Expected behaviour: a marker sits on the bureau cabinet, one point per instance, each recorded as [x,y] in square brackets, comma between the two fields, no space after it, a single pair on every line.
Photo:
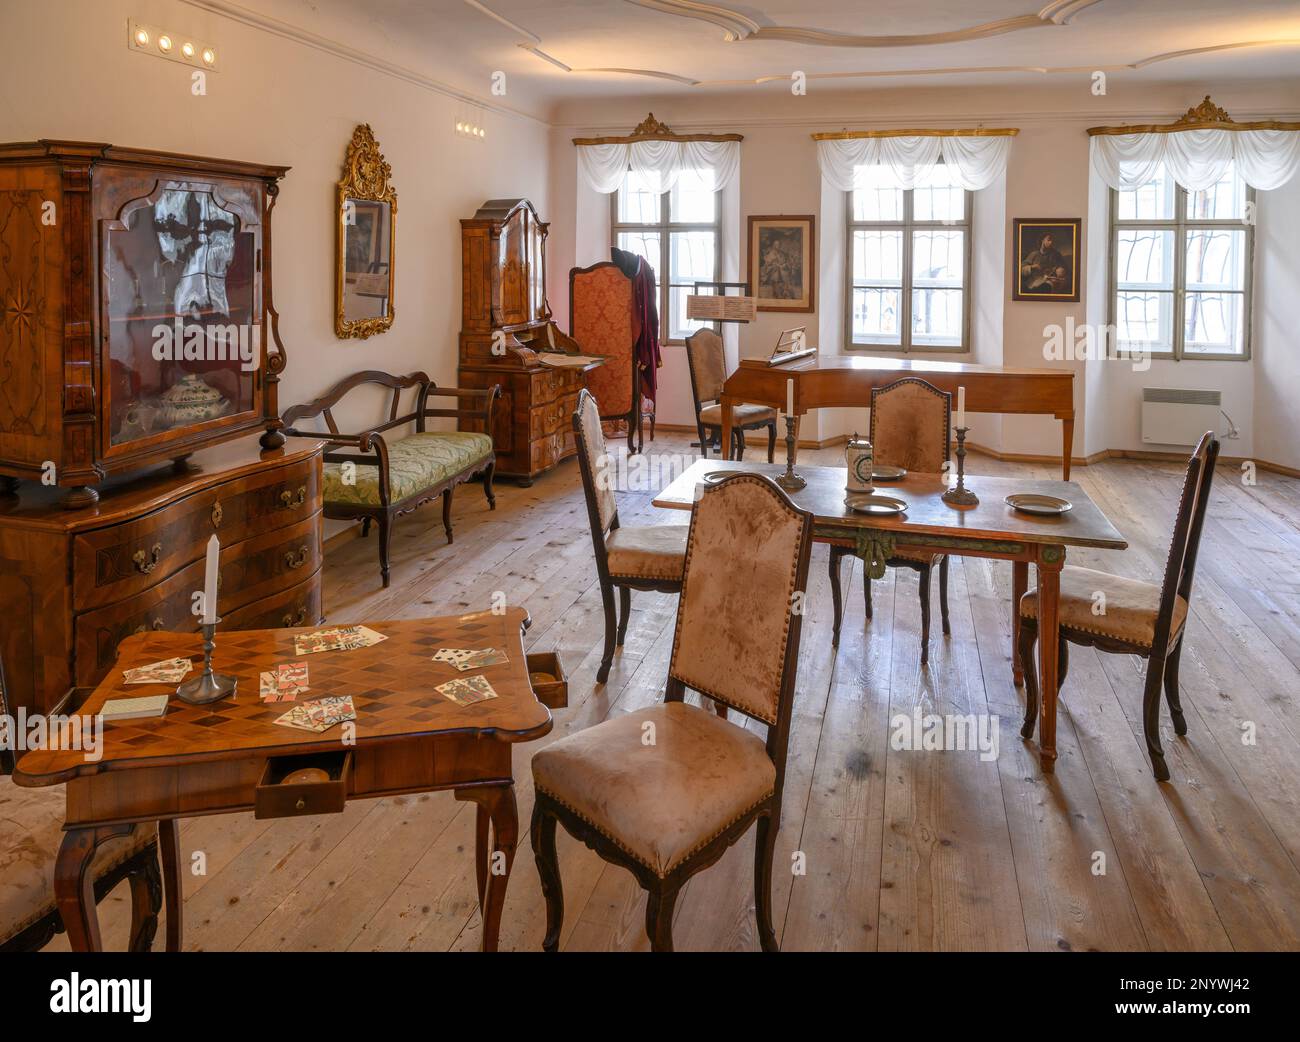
[73,585]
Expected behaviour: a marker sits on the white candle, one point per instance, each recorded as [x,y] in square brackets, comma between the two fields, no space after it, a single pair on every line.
[789,397]
[961,407]
[210,583]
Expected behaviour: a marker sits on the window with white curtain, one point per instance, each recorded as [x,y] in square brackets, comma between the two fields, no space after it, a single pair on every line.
[677,233]
[909,285]
[1181,268]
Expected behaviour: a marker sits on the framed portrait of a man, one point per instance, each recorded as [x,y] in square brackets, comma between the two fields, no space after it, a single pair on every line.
[1047,257]
[782,263]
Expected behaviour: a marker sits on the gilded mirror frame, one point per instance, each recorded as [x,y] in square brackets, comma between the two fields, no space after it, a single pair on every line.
[365,177]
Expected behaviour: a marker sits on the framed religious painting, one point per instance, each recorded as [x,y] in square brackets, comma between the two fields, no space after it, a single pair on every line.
[783,263]
[1048,255]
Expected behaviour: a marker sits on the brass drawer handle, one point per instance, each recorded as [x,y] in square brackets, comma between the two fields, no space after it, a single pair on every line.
[217,515]
[158,624]
[299,559]
[302,803]
[147,562]
[289,500]
[290,620]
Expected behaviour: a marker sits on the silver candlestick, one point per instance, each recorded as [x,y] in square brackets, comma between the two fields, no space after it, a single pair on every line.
[208,686]
[790,481]
[960,495]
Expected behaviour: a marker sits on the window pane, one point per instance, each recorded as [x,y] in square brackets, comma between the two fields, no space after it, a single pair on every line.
[1213,323]
[1144,257]
[938,257]
[876,315]
[1144,320]
[638,201]
[692,256]
[936,317]
[874,202]
[938,198]
[1223,201]
[679,327]
[643,244]
[1216,258]
[1150,201]
[693,199]
[878,256]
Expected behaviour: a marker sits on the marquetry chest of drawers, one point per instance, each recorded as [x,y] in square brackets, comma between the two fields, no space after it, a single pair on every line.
[74,584]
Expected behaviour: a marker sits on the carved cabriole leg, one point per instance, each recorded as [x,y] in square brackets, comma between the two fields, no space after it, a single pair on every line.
[169,846]
[74,887]
[866,593]
[705,435]
[625,609]
[1019,587]
[385,524]
[146,901]
[659,919]
[1050,561]
[835,556]
[446,512]
[548,870]
[764,849]
[1028,632]
[365,527]
[771,442]
[1171,688]
[611,628]
[726,436]
[1151,718]
[740,444]
[498,802]
[943,595]
[924,587]
[488,490]
[482,835]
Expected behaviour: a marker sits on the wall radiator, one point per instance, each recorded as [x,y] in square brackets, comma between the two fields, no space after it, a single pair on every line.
[1172,416]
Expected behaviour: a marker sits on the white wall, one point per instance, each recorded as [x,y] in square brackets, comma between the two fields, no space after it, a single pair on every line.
[66,72]
[1277,329]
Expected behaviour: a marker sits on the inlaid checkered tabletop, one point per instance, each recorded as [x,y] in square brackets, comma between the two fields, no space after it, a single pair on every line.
[391,683]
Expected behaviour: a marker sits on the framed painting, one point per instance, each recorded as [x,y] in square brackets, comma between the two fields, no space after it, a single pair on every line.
[783,263]
[1048,258]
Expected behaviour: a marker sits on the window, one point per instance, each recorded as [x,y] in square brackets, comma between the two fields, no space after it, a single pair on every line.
[677,233]
[1181,268]
[909,267]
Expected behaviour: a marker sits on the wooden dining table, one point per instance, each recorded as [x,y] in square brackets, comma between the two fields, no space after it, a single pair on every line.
[990,529]
[231,756]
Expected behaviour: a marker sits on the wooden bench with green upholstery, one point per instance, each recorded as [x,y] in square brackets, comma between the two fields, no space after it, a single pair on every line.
[385,479]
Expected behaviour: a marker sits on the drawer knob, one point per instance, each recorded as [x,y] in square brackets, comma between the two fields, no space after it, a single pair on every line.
[217,515]
[302,803]
[157,624]
[297,560]
[290,620]
[290,499]
[147,562]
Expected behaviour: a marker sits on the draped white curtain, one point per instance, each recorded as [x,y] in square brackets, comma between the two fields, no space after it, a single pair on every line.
[1198,158]
[661,163]
[904,162]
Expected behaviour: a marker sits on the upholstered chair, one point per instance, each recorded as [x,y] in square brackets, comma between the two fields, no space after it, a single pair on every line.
[707,363]
[603,320]
[32,824]
[664,791]
[632,557]
[910,422]
[1137,618]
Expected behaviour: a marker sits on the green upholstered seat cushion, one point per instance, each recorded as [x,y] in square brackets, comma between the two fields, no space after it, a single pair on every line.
[415,463]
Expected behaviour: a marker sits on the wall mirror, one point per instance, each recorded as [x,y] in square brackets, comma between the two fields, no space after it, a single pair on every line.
[367,223]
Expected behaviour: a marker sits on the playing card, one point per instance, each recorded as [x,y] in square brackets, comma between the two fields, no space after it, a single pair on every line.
[467,658]
[465,691]
[337,638]
[284,683]
[319,715]
[300,717]
[168,671]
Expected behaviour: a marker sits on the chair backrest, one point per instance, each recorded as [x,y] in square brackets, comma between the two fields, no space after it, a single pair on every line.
[7,758]
[910,422]
[324,405]
[707,362]
[741,607]
[1181,564]
[593,462]
[602,319]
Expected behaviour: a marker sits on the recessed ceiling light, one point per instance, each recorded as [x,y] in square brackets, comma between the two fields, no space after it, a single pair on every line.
[187,49]
[142,37]
[164,43]
[209,56]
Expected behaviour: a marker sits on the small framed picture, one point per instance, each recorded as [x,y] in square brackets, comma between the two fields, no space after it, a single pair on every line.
[783,263]
[1048,256]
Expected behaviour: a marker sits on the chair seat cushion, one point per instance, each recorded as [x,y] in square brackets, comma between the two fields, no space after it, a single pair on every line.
[740,415]
[1130,606]
[416,462]
[647,552]
[31,829]
[658,803]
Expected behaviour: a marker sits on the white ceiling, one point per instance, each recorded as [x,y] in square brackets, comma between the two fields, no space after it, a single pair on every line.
[838,44]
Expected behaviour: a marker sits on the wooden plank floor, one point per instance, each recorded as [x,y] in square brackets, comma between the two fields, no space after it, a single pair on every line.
[880,849]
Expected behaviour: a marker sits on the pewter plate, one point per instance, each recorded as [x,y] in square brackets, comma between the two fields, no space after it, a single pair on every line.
[714,476]
[1044,506]
[876,506]
[883,472]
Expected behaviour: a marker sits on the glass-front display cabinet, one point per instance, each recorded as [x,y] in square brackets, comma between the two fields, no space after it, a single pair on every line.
[137,319]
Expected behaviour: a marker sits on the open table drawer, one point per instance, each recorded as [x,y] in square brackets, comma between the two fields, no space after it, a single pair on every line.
[280,795]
